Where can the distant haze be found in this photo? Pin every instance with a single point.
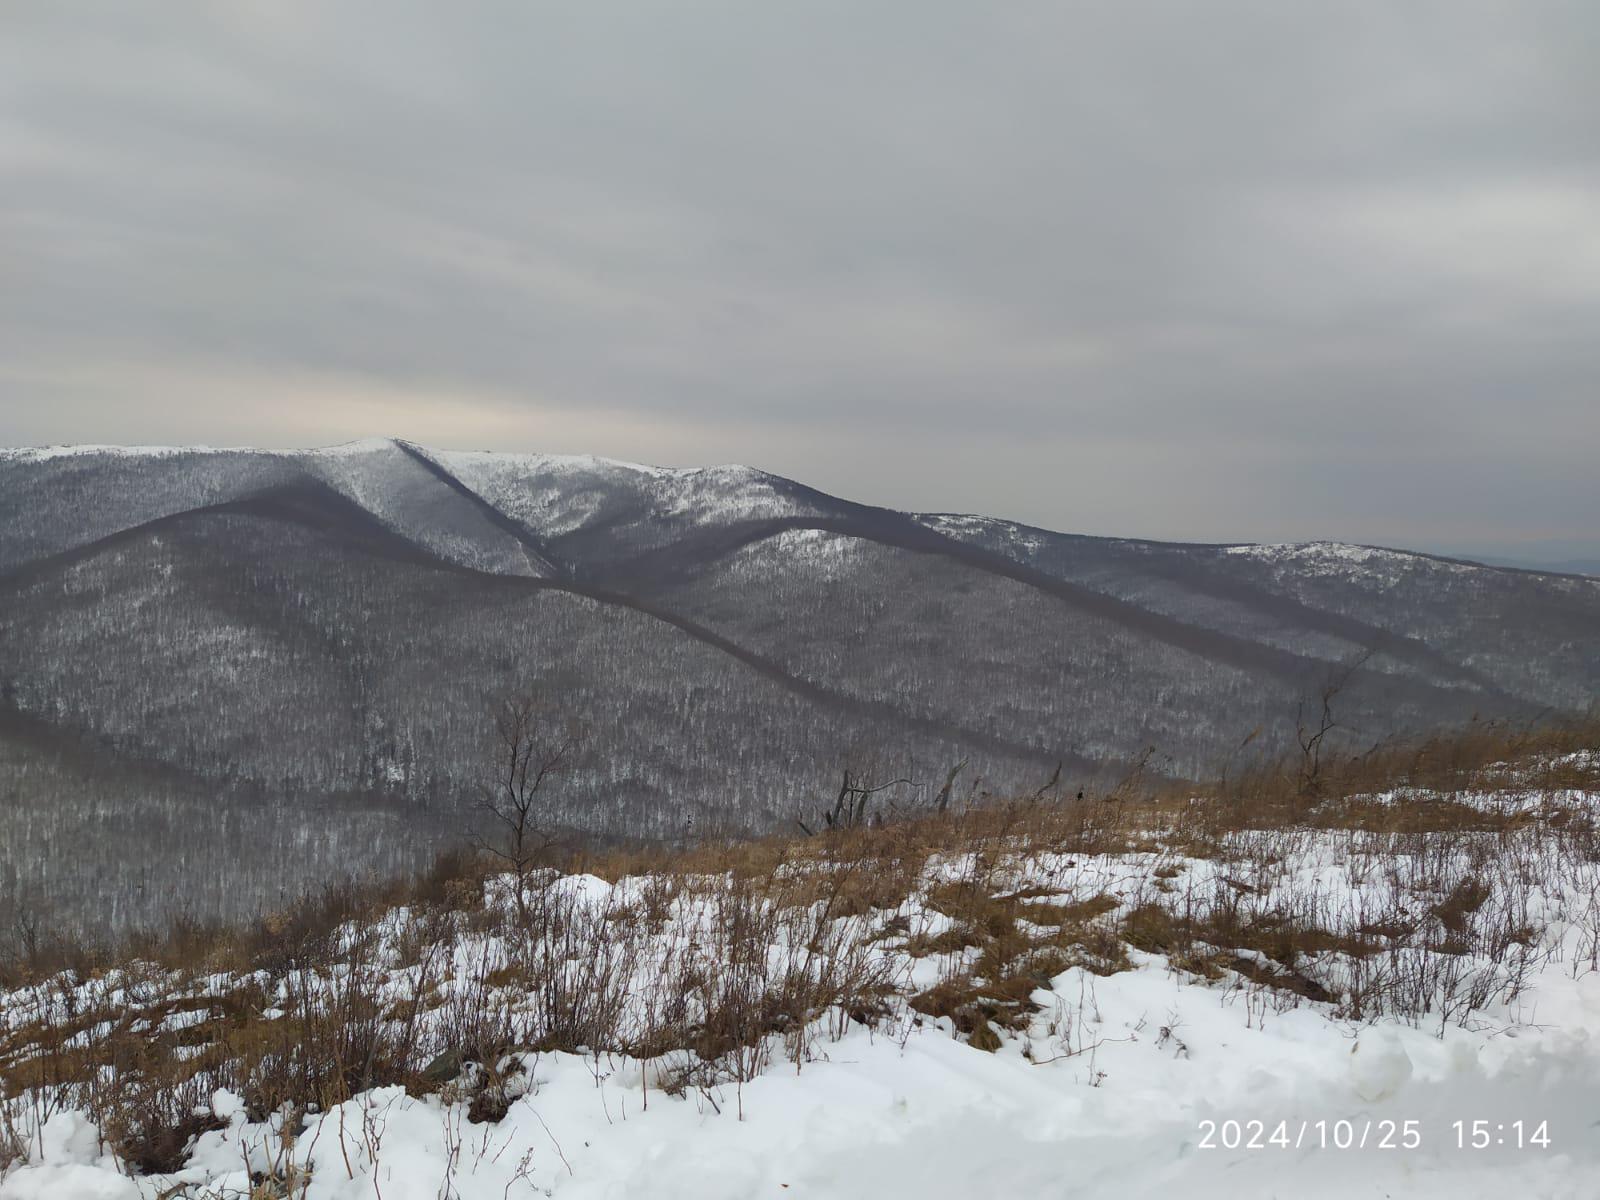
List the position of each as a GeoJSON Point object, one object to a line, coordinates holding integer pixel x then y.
{"type": "Point", "coordinates": [1210, 272]}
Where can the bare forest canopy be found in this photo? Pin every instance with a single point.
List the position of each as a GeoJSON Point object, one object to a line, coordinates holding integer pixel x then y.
{"type": "Point", "coordinates": [229, 676]}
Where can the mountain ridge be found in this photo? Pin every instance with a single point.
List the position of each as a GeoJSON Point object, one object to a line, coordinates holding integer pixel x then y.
{"type": "Point", "coordinates": [288, 631]}
{"type": "Point", "coordinates": [531, 459]}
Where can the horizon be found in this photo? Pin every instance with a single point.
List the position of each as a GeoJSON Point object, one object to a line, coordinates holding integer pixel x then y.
{"type": "Point", "coordinates": [1558, 558]}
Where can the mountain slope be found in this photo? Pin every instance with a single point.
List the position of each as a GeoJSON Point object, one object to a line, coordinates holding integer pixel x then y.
{"type": "Point", "coordinates": [257, 631]}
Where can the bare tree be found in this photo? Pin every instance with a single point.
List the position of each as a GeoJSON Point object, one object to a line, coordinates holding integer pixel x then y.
{"type": "Point", "coordinates": [850, 806]}
{"type": "Point", "coordinates": [1051, 788]}
{"type": "Point", "coordinates": [1313, 741]}
{"type": "Point", "coordinates": [532, 746]}
{"type": "Point", "coordinates": [941, 802]}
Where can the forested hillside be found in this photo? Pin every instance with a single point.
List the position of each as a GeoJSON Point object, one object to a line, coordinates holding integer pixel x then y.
{"type": "Point", "coordinates": [267, 668]}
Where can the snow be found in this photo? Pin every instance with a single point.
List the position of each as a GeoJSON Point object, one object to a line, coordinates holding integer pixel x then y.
{"type": "Point", "coordinates": [824, 554]}
{"type": "Point", "coordinates": [563, 464]}
{"type": "Point", "coordinates": [1338, 558]}
{"type": "Point", "coordinates": [377, 474]}
{"type": "Point", "coordinates": [933, 1117]}
{"type": "Point", "coordinates": [558, 495]}
{"type": "Point", "coordinates": [1505, 802]}
{"type": "Point", "coordinates": [69, 1164]}
{"type": "Point", "coordinates": [37, 454]}
{"type": "Point", "coordinates": [355, 449]}
{"type": "Point", "coordinates": [1379, 1066]}
{"type": "Point", "coordinates": [381, 477]}
{"type": "Point", "coordinates": [1340, 551]}
{"type": "Point", "coordinates": [1139, 1083]}
{"type": "Point", "coordinates": [1018, 540]}
{"type": "Point", "coordinates": [51, 453]}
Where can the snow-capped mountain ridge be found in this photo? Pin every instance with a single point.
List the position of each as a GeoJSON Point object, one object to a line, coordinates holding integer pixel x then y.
{"type": "Point", "coordinates": [555, 463]}
{"type": "Point", "coordinates": [726, 491]}
{"type": "Point", "coordinates": [208, 633]}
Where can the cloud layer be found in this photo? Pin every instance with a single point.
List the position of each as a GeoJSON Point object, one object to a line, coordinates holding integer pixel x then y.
{"type": "Point", "coordinates": [1219, 271]}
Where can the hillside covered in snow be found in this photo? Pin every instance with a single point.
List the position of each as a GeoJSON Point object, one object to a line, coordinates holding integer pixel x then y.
{"type": "Point", "coordinates": [1246, 991]}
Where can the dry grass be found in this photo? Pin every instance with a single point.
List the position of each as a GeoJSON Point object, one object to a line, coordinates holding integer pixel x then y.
{"type": "Point", "coordinates": [362, 987]}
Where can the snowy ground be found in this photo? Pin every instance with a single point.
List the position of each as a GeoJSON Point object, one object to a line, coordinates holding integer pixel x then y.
{"type": "Point", "coordinates": [934, 1117]}
{"type": "Point", "coordinates": [1136, 1083]}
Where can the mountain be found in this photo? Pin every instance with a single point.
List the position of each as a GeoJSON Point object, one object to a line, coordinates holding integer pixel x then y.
{"type": "Point", "coordinates": [1562, 566]}
{"type": "Point", "coordinates": [201, 649]}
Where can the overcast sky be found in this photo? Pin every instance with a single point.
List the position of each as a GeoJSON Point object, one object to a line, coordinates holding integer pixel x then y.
{"type": "Point", "coordinates": [1201, 270]}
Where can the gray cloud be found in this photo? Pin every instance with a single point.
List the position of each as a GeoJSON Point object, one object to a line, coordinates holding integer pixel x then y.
{"type": "Point", "coordinates": [1214, 271]}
